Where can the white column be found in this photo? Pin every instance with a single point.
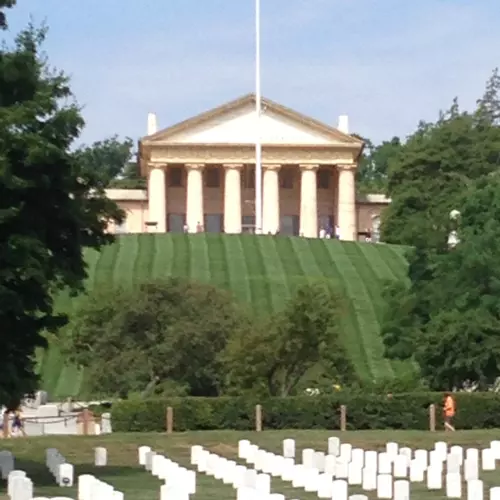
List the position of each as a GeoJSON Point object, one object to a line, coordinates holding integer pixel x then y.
{"type": "Point", "coordinates": [194, 196]}
{"type": "Point", "coordinates": [232, 198]}
{"type": "Point", "coordinates": [157, 199]}
{"type": "Point", "coordinates": [347, 202]}
{"type": "Point", "coordinates": [308, 201]}
{"type": "Point", "coordinates": [271, 199]}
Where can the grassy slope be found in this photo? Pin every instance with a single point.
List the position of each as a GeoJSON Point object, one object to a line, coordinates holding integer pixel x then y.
{"type": "Point", "coordinates": [261, 270]}
{"type": "Point", "coordinates": [125, 475]}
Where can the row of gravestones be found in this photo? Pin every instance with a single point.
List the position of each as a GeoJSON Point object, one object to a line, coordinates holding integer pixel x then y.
{"type": "Point", "coordinates": [320, 472]}
{"type": "Point", "coordinates": [20, 487]}
{"type": "Point", "coordinates": [179, 482]}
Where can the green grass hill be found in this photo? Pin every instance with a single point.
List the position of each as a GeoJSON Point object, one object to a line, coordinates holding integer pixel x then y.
{"type": "Point", "coordinates": [262, 270]}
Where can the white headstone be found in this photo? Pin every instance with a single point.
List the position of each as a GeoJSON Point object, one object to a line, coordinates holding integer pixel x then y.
{"type": "Point", "coordinates": [358, 457]}
{"type": "Point", "coordinates": [422, 456]}
{"type": "Point", "coordinates": [243, 446]}
{"type": "Point", "coordinates": [101, 457]}
{"type": "Point", "coordinates": [333, 445]}
{"type": "Point", "coordinates": [495, 493]}
{"type": "Point", "coordinates": [355, 476]}
{"type": "Point", "coordinates": [319, 461]}
{"type": "Point", "coordinates": [400, 466]}
{"type": "Point", "coordinates": [471, 468]}
{"type": "Point", "coordinates": [417, 471]}
{"type": "Point", "coordinates": [442, 449]}
{"type": "Point", "coordinates": [371, 460]}
{"type": "Point", "coordinates": [384, 463]}
{"type": "Point", "coordinates": [345, 451]}
{"type": "Point", "coordinates": [10, 478]}
{"type": "Point", "coordinates": [308, 458]}
{"type": "Point", "coordinates": [330, 464]}
{"type": "Point", "coordinates": [311, 480]}
{"type": "Point", "coordinates": [263, 484]}
{"type": "Point", "coordinates": [325, 486]}
{"type": "Point", "coordinates": [341, 469]}
{"type": "Point", "coordinates": [475, 490]}
{"type": "Point", "coordinates": [488, 461]}
{"type": "Point", "coordinates": [289, 448]}
{"type": "Point", "coordinates": [392, 449]}
{"type": "Point", "coordinates": [453, 485]}
{"type": "Point", "coordinates": [299, 476]}
{"type": "Point", "coordinates": [384, 486]}
{"type": "Point", "coordinates": [434, 477]}
{"type": "Point", "coordinates": [401, 490]}
{"type": "Point", "coordinates": [195, 453]}
{"type": "Point", "coordinates": [288, 469]}
{"type": "Point", "coordinates": [339, 489]}
{"type": "Point", "coordinates": [85, 482]}
{"type": "Point", "coordinates": [369, 479]}
{"type": "Point", "coordinates": [66, 475]}
{"type": "Point", "coordinates": [453, 463]}
{"type": "Point", "coordinates": [142, 454]}
{"type": "Point", "coordinates": [458, 451]}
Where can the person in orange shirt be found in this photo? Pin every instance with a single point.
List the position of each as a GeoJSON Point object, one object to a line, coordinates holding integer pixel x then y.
{"type": "Point", "coordinates": [449, 412]}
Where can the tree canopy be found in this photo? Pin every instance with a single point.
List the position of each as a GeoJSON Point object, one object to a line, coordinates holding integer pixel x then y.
{"type": "Point", "coordinates": [156, 336]}
{"type": "Point", "coordinates": [274, 357]}
{"type": "Point", "coordinates": [5, 4]}
{"type": "Point", "coordinates": [111, 162]}
{"type": "Point", "coordinates": [50, 207]}
{"type": "Point", "coordinates": [175, 337]}
{"type": "Point", "coordinates": [446, 317]}
{"type": "Point", "coordinates": [373, 168]}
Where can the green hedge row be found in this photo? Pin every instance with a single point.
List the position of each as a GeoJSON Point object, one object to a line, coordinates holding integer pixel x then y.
{"type": "Point", "coordinates": [401, 411]}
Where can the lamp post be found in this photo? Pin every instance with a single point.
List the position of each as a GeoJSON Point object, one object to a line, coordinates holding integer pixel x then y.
{"type": "Point", "coordinates": [453, 239]}
{"type": "Point", "coordinates": [258, 145]}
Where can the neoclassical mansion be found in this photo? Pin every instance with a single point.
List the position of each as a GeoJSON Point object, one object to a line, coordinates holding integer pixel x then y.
{"type": "Point", "coordinates": [201, 176]}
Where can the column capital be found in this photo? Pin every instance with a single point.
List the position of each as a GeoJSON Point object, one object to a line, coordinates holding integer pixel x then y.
{"type": "Point", "coordinates": [346, 167]}
{"type": "Point", "coordinates": [233, 166]}
{"type": "Point", "coordinates": [195, 166]}
{"type": "Point", "coordinates": [271, 166]}
{"type": "Point", "coordinates": [308, 166]}
{"type": "Point", "coordinates": [161, 166]}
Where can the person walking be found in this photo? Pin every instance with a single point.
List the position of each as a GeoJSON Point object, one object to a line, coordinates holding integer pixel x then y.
{"type": "Point", "coordinates": [449, 412]}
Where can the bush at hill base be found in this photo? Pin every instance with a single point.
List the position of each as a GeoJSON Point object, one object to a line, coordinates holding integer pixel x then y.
{"type": "Point", "coordinates": [401, 411]}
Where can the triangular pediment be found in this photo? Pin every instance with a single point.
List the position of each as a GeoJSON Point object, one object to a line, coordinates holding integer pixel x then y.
{"type": "Point", "coordinates": [235, 123]}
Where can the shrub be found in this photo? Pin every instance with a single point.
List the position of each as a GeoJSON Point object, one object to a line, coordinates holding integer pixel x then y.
{"type": "Point", "coordinates": [401, 411]}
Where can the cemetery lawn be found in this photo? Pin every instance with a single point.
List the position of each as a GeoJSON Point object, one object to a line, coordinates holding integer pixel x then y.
{"type": "Point", "coordinates": [124, 473]}
{"type": "Point", "coordinates": [260, 270]}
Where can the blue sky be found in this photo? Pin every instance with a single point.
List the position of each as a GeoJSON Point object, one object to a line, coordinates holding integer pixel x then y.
{"type": "Point", "coordinates": [385, 63]}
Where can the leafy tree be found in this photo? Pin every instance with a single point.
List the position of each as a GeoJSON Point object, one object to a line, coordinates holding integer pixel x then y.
{"type": "Point", "coordinates": [273, 359]}
{"type": "Point", "coordinates": [436, 166]}
{"type": "Point", "coordinates": [371, 176]}
{"type": "Point", "coordinates": [106, 159]}
{"type": "Point", "coordinates": [447, 319]}
{"type": "Point", "coordinates": [5, 4]}
{"type": "Point", "coordinates": [49, 208]}
{"type": "Point", "coordinates": [155, 336]}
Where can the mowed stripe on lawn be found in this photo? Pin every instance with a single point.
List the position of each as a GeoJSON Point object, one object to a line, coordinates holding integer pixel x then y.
{"type": "Point", "coordinates": [262, 270]}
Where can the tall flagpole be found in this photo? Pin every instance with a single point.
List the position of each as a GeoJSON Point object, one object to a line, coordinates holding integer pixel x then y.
{"type": "Point", "coordinates": [258, 145]}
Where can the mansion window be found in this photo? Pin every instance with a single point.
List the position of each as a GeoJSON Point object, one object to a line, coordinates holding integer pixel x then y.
{"type": "Point", "coordinates": [286, 178]}
{"type": "Point", "coordinates": [213, 223]}
{"type": "Point", "coordinates": [176, 223]}
{"type": "Point", "coordinates": [212, 177]}
{"type": "Point", "coordinates": [248, 224]}
{"type": "Point", "coordinates": [324, 176]}
{"type": "Point", "coordinates": [248, 178]}
{"type": "Point", "coordinates": [174, 176]}
{"type": "Point", "coordinates": [289, 225]}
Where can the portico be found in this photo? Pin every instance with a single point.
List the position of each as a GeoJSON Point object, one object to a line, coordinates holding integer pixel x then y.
{"type": "Point", "coordinates": [202, 172]}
